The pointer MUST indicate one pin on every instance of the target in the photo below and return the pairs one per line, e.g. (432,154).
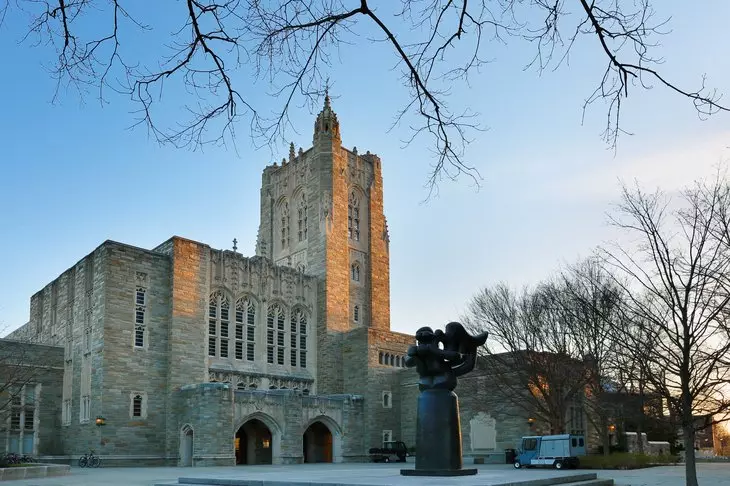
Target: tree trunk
(606,441)
(640,422)
(690,465)
(639,438)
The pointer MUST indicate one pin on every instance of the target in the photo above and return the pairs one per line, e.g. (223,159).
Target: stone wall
(379,251)
(40,368)
(383,414)
(69,312)
(650,447)
(208,409)
(187,335)
(288,414)
(129,370)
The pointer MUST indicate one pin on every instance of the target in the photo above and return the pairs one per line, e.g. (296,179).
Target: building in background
(193,355)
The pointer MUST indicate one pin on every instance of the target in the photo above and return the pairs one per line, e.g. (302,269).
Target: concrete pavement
(709,475)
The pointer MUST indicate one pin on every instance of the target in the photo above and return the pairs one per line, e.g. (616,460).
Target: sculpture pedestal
(438,436)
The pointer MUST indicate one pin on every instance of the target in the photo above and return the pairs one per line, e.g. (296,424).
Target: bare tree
(531,352)
(722,440)
(677,276)
(596,305)
(19,366)
(291,44)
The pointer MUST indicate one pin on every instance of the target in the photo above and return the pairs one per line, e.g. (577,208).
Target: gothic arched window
(245,328)
(302,219)
(356,314)
(284,216)
(355,270)
(218,319)
(298,339)
(353,217)
(137,406)
(275,334)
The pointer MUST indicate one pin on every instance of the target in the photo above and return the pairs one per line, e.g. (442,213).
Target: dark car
(391,451)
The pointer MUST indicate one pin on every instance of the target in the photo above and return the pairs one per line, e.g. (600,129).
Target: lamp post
(530,422)
(100,422)
(611,430)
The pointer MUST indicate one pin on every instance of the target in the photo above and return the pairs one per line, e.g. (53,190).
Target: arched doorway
(186,446)
(317,443)
(253,443)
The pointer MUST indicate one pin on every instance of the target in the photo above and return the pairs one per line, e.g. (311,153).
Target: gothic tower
(322,212)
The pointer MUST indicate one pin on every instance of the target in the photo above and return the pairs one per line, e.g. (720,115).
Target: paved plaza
(709,475)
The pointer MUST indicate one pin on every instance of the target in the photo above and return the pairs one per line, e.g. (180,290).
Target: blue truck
(558,451)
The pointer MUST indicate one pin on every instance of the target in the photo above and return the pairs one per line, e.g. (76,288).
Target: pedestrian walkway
(709,474)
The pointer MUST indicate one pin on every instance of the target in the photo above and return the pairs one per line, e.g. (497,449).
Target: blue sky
(73,175)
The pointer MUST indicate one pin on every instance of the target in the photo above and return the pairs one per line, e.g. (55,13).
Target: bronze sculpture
(439,358)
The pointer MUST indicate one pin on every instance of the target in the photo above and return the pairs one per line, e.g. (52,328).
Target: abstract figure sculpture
(439,358)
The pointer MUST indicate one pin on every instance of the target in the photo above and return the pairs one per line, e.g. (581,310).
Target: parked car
(391,451)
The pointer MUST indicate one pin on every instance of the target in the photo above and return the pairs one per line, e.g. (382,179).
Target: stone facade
(201,356)
(31,376)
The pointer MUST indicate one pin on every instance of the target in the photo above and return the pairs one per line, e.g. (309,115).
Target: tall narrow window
(224,315)
(298,339)
(356,314)
(355,271)
(250,331)
(85,411)
(22,411)
(576,420)
(275,334)
(302,219)
(218,324)
(353,217)
(140,311)
(67,391)
(284,216)
(137,406)
(245,330)
(87,340)
(387,399)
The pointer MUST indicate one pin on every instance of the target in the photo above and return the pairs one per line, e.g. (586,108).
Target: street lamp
(100,422)
(530,422)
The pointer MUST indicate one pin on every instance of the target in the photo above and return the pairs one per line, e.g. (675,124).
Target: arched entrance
(253,443)
(186,446)
(317,443)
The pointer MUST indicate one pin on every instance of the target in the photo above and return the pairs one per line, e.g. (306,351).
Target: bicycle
(28,459)
(9,459)
(89,460)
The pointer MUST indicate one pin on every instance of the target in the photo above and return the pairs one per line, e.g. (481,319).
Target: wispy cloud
(672,168)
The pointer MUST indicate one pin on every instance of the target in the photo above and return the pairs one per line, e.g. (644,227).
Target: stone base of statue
(438,436)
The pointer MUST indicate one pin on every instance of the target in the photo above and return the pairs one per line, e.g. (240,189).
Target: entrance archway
(253,443)
(317,443)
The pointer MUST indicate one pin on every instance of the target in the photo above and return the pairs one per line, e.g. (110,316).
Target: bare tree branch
(290,44)
(677,281)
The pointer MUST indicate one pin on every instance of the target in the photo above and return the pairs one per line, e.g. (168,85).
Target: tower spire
(327,127)
(327,105)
